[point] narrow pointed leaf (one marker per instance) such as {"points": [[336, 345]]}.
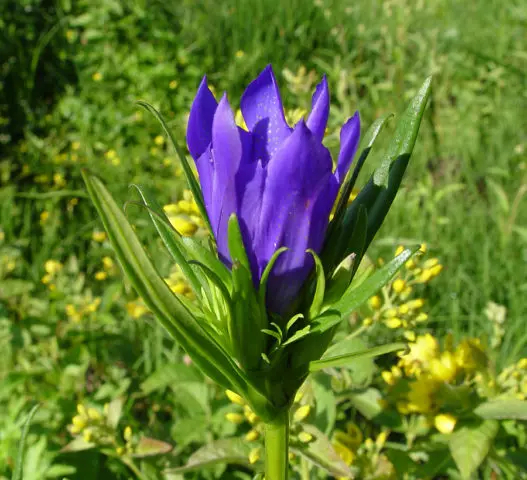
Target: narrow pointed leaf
{"points": [[262, 291], [235, 240], [502, 409], [355, 296], [341, 360], [318, 297], [202, 348], [351, 178], [189, 174], [171, 238]]}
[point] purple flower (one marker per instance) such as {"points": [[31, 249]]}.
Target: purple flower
{"points": [[278, 180]]}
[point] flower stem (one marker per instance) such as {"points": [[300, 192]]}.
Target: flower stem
{"points": [[276, 447]]}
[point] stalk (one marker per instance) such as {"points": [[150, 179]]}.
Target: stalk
{"points": [[276, 447]]}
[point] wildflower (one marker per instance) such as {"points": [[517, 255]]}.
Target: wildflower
{"points": [[235, 418], [252, 435], [173, 84], [375, 302], [398, 285], [136, 309], [58, 180], [75, 145], [254, 455], [127, 435], [100, 276], [444, 368], [52, 267], [421, 395], [44, 216], [239, 54], [97, 77], [301, 413], [234, 397], [98, 236], [305, 437], [252, 175], [159, 140], [445, 422]]}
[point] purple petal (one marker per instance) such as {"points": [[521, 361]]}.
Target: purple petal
{"points": [[349, 141], [205, 167], [231, 149], [318, 118], [263, 112], [292, 184], [199, 128]]}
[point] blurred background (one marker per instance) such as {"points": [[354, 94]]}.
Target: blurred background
{"points": [[70, 74]]}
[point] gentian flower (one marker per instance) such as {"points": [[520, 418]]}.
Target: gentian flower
{"points": [[278, 179]]}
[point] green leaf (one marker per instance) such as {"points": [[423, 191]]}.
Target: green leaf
{"points": [[342, 360], [171, 238], [262, 291], [379, 193], [355, 296], [228, 450], [148, 447], [470, 444], [189, 174], [203, 349], [321, 453], [236, 246], [318, 297], [17, 474], [115, 408], [502, 409], [365, 147], [77, 445]]}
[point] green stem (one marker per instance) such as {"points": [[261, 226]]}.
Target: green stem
{"points": [[276, 447]]}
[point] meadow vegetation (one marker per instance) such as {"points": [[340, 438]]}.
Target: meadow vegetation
{"points": [[118, 398]]}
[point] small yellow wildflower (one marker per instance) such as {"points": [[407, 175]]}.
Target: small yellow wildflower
{"points": [[98, 236], [53, 267], [393, 322], [375, 302], [100, 276], [445, 422], [173, 84], [305, 437], [444, 368], [159, 140], [252, 435], [58, 180], [44, 216], [94, 414], [119, 451], [399, 250], [107, 263], [136, 309], [239, 54], [97, 77], [250, 415], [302, 413], [398, 285], [87, 435], [79, 422], [234, 397], [235, 418], [254, 455], [421, 395], [127, 435], [184, 227], [75, 145]]}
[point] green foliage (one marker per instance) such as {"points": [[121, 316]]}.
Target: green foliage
{"points": [[71, 75]]}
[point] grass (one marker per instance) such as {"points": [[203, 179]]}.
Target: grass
{"points": [[464, 194]]}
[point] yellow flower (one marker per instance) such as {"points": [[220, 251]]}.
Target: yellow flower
{"points": [[305, 437], [399, 250], [250, 415], [235, 418], [75, 145], [79, 422], [398, 285], [234, 397], [107, 263], [301, 413], [127, 435], [254, 455], [2, 236], [252, 435], [470, 355], [87, 435], [375, 302], [444, 368], [100, 276], [44, 216], [239, 54], [445, 422], [98, 236], [53, 267], [58, 180], [94, 414], [393, 322], [420, 396], [173, 84], [97, 76], [240, 121], [159, 140], [347, 455], [136, 309], [420, 354], [184, 227]]}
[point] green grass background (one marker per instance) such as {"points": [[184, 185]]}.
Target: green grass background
{"points": [[464, 193]]}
